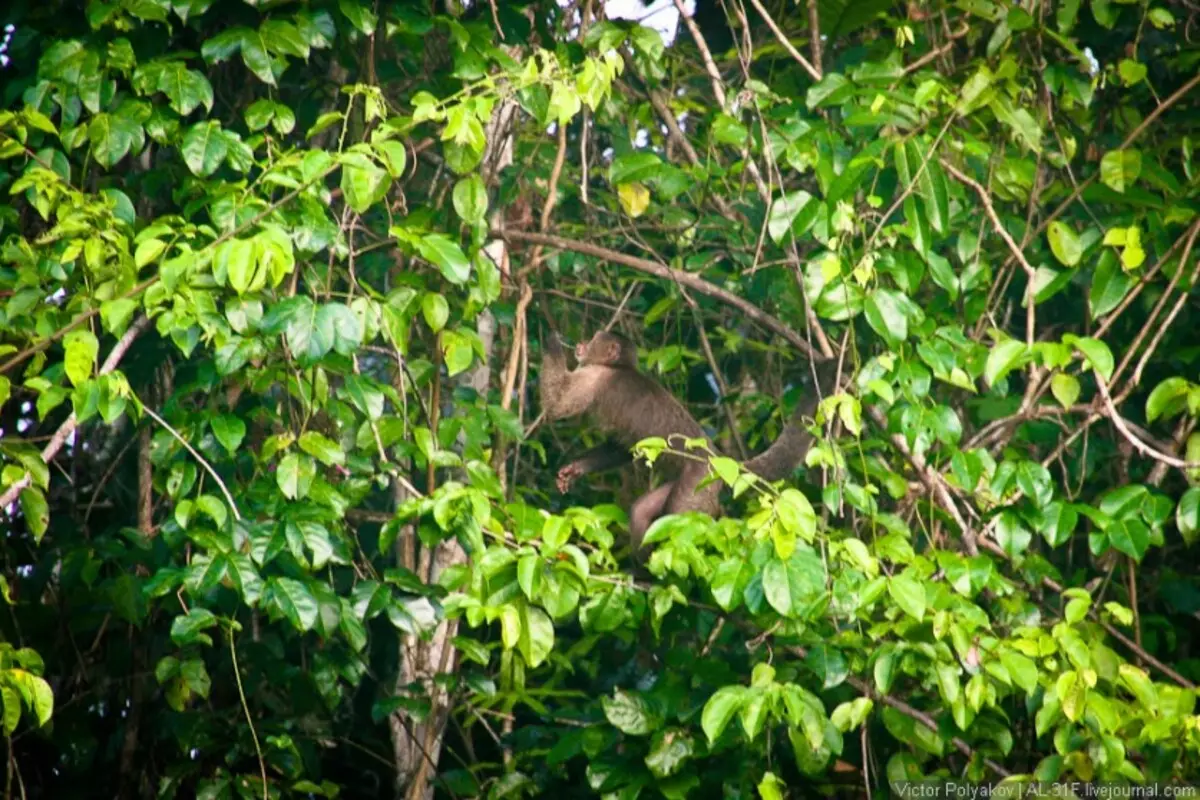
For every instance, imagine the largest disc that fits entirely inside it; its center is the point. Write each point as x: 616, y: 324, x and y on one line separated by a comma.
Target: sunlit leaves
x: 295, y: 474
x: 79, y: 360
x: 1064, y: 243
x: 1119, y: 169
x: 204, y: 147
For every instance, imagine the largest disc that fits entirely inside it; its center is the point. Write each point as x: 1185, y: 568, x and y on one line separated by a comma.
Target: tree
x: 281, y: 522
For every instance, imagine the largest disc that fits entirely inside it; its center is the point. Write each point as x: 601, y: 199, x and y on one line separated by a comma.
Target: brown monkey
x: 632, y: 406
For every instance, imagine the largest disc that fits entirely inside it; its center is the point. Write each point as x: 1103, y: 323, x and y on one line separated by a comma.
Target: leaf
x: 1110, y: 284
x: 1003, y: 358
x: 1187, y: 515
x: 342, y: 325
x: 204, y: 148
x: 1130, y: 536
x: 1096, y: 351
x: 1119, y: 169
x: 446, y: 255
x: 831, y: 90
x: 295, y: 601
x: 1011, y: 534
x: 634, y: 198
x: 784, y: 212
x: 1131, y: 72
x: 79, y: 361
x: 627, y: 712
x: 321, y: 448
x: 1065, y: 389
x: 1167, y: 399
x: 113, y: 136
x: 1021, y: 669
x: 364, y: 185
x: 719, y: 710
x: 885, y: 312
x: 470, y: 199
x: 294, y: 475
x: 36, y: 512
x: 1064, y: 243
x: 909, y: 594
x: 436, y: 311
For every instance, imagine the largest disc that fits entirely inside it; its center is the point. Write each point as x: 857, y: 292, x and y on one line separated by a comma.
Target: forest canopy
x: 281, y: 286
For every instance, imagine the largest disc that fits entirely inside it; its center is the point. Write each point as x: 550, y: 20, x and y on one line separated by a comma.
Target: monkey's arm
x: 563, y: 393
x: 603, y: 457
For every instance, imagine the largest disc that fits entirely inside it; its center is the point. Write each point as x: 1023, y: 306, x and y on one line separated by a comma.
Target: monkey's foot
x: 566, y: 475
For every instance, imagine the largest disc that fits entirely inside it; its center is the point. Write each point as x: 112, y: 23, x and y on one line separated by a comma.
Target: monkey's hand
x: 553, y: 345
x: 568, y: 474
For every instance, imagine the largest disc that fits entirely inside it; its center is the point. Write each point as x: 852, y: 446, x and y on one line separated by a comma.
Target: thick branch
x: 686, y: 279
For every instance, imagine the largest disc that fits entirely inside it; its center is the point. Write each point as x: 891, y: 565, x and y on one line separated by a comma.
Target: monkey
x: 631, y: 406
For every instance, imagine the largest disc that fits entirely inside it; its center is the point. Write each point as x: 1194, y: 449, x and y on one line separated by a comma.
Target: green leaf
x: 1065, y: 389
x: 446, y: 255
x: 295, y: 601
x: 1004, y: 357
x: 1021, y: 669
x: 364, y: 185
x: 113, y: 136
x: 284, y: 38
x: 1064, y: 243
x: 79, y: 361
x: 628, y: 713
x: 1110, y: 284
x: 909, y: 594
x: 1187, y: 515
x: 1119, y: 169
x: 1011, y: 534
x: 436, y: 311
x: 719, y: 710
x: 470, y: 199
x: 1130, y: 536
x: 204, y: 148
x: 1095, y: 351
x: 229, y: 431
x: 1131, y: 72
x: 321, y: 448
x: 294, y: 476
x: 885, y: 310
x: 393, y: 156
x: 36, y: 511
x: 1168, y: 398
x: 784, y: 212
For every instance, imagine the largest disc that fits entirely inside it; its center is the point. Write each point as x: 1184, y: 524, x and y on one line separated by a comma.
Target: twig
x: 812, y: 71
x: 203, y: 462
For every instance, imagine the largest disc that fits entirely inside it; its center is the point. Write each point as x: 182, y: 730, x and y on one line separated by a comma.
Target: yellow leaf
x: 634, y: 197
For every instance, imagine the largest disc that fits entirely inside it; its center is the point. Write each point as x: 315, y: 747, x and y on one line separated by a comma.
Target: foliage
x: 264, y: 393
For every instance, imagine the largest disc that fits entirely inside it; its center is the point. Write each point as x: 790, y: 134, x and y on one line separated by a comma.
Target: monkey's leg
x: 603, y: 457
x: 646, y: 509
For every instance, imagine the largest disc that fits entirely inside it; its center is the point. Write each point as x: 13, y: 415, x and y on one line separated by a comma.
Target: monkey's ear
x: 614, y: 352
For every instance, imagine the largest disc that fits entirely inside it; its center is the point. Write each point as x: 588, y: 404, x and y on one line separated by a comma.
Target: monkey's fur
x: 632, y: 406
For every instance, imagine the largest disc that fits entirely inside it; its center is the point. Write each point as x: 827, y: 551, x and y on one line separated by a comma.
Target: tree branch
x: 662, y: 271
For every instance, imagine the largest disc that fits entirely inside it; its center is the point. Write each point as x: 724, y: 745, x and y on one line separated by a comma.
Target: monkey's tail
x: 788, y: 451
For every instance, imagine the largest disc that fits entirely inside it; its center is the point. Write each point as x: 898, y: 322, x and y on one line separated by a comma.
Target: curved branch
x: 662, y: 271
x: 68, y: 427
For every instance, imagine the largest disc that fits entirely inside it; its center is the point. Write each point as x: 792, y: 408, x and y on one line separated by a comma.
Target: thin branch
x: 201, y: 459
x: 1135, y: 440
x: 812, y: 71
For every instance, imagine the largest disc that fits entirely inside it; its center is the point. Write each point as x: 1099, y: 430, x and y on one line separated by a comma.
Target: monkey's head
x: 609, y: 350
